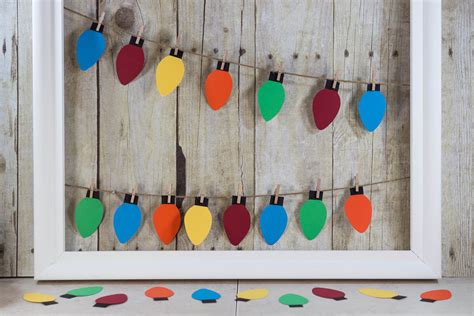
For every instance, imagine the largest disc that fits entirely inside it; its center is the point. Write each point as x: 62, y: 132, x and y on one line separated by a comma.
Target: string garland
x: 295, y: 74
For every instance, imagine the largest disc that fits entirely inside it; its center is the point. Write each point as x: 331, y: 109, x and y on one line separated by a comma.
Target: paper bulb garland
x: 313, y: 215
x: 326, y: 104
x: 435, y: 295
x: 44, y: 299
x: 159, y: 293
x: 114, y: 299
x: 293, y: 300
x: 170, y: 72
x: 329, y: 293
x: 377, y: 293
x: 372, y: 107
x: 127, y: 219
x: 273, y: 220
x: 198, y: 221
x: 252, y: 295
x: 206, y: 296
x: 236, y: 220
x: 83, y: 291
x: 358, y: 209
x: 218, y: 87
x: 167, y: 219
x: 89, y: 214
x: 130, y: 61
x: 90, y: 46
x: 271, y: 96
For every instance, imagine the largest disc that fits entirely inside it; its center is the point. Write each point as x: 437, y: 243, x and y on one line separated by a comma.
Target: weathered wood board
x: 120, y: 136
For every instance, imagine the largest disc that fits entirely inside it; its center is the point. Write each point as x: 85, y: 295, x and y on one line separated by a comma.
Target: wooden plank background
x: 125, y: 136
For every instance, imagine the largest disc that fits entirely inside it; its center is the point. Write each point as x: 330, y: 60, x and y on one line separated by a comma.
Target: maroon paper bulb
x: 326, y: 104
x: 108, y: 300
x: 130, y: 60
x: 236, y: 220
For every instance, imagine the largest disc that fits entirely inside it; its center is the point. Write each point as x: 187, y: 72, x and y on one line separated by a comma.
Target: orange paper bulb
x: 167, y: 220
x: 358, y: 209
x: 218, y: 86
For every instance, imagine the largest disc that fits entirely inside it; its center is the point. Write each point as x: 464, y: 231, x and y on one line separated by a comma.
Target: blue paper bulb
x: 372, y: 107
x: 90, y: 47
x: 127, y: 221
x: 205, y: 295
x: 273, y: 223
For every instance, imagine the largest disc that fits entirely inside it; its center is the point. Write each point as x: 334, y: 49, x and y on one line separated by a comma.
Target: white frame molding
x: 52, y: 262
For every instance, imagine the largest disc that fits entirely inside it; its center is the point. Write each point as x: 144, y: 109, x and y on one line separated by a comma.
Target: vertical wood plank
x: 137, y: 125
x: 25, y: 143
x: 289, y: 150
x: 457, y: 143
x: 80, y: 123
x: 8, y: 139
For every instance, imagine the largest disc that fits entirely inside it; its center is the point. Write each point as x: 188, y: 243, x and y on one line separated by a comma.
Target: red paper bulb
x: 130, y: 61
x: 326, y: 104
x: 218, y: 86
x: 236, y: 221
x: 358, y: 209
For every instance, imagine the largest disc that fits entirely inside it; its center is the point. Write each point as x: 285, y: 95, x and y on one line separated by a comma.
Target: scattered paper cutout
x: 44, y: 299
x: 127, y: 219
x: 90, y: 47
x: 372, y: 106
x: 358, y: 209
x: 293, y: 300
x: 159, y: 293
x: 326, y: 104
x: 252, y: 295
x: 273, y: 221
x: 167, y: 220
x: 170, y: 72
x: 89, y: 214
x: 114, y: 299
x: 329, y: 293
x: 271, y: 96
x: 130, y: 61
x: 83, y: 291
x: 206, y: 296
x: 435, y: 295
x: 377, y: 293
x: 313, y: 215
x: 236, y: 221
x: 198, y: 222
x: 218, y: 87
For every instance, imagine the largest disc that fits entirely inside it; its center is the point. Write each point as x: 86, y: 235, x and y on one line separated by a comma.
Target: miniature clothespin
x: 277, y: 191
x: 356, y: 181
x: 101, y: 19
x: 139, y: 35
x: 239, y: 193
x: 169, y: 194
x: 132, y: 199
x: 91, y: 189
x: 318, y: 188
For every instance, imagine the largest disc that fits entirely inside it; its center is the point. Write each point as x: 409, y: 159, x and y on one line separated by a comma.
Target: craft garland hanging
x: 167, y: 219
x: 130, y: 59
x: 218, y: 87
x: 237, y: 219
x: 273, y: 219
x: 313, y: 214
x: 271, y: 96
x: 358, y: 208
x: 91, y: 45
x: 198, y: 221
x: 326, y: 104
x: 170, y: 72
x: 89, y: 213
x: 127, y: 218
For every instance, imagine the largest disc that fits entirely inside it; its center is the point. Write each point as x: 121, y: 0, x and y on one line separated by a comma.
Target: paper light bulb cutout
x: 159, y: 293
x: 313, y: 215
x: 83, y: 291
x: 114, y: 299
x: 435, y: 295
x: 90, y: 46
x: 293, y: 300
x: 198, y: 221
x: 273, y: 220
x: 130, y: 61
x: 326, y: 104
x: 170, y: 72
x: 89, y: 214
x: 127, y: 219
x: 358, y: 209
x: 251, y: 295
x: 372, y: 106
x: 377, y: 293
x: 44, y: 299
x: 218, y: 87
x: 271, y: 96
x: 329, y: 293
x: 236, y: 220
x: 167, y: 219
x: 206, y: 296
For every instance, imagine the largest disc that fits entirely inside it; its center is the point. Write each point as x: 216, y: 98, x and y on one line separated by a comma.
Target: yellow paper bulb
x: 169, y: 73
x: 197, y: 222
x: 38, y: 297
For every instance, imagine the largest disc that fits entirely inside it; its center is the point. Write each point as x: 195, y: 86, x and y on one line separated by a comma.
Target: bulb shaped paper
x: 108, y: 300
x: 273, y: 223
x: 378, y: 293
x: 312, y: 218
x: 204, y: 295
x: 127, y: 221
x: 197, y: 222
x: 271, y: 97
x: 88, y: 216
x: 85, y: 291
x: 90, y: 48
x: 169, y: 73
x: 167, y: 221
x: 372, y: 107
x: 218, y: 88
x: 329, y: 293
x: 129, y: 63
x: 159, y: 293
x: 326, y: 104
x: 252, y: 294
x: 293, y: 300
x: 358, y: 210
x: 435, y: 295
x: 38, y: 297
x: 236, y: 223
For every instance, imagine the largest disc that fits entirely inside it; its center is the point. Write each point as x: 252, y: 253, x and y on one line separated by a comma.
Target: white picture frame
x: 52, y: 262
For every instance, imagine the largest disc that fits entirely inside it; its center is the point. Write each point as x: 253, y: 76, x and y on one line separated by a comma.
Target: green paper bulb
x: 313, y: 216
x: 89, y: 214
x: 271, y: 96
